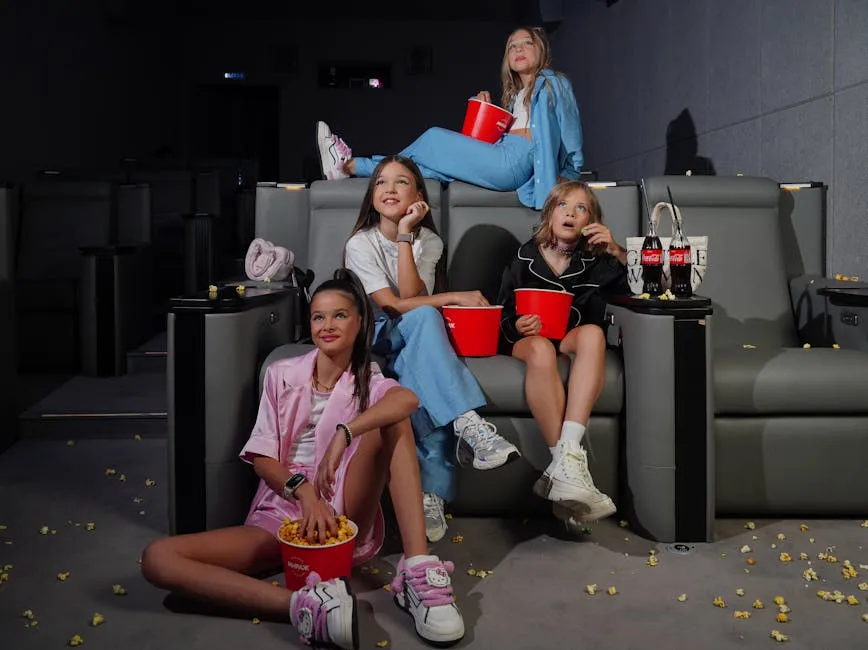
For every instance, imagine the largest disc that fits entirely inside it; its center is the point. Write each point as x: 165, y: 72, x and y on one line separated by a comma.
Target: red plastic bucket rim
x: 479, y: 307
x: 544, y: 290
x: 311, y: 547
x: 500, y: 108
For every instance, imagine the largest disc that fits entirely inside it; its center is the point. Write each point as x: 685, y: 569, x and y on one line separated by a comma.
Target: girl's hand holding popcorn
x: 528, y: 325
x: 599, y: 235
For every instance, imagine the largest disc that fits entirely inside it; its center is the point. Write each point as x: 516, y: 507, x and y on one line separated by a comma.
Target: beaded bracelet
x: 347, y: 432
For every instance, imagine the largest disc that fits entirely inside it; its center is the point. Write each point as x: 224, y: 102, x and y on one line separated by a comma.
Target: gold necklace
x: 315, y: 382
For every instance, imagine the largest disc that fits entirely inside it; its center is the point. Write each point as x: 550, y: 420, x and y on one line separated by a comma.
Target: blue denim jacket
x: 556, y: 130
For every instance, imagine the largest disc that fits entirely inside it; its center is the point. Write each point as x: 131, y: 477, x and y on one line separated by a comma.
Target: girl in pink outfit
x: 331, y: 432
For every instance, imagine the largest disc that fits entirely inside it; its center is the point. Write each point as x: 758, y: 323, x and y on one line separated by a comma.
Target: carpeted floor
x: 535, y: 597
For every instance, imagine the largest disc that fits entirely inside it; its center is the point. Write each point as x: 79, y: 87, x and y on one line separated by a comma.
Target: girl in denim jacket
x: 544, y: 143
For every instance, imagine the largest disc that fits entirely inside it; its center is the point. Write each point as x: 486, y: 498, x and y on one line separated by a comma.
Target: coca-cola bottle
x: 652, y: 263
x: 680, y: 267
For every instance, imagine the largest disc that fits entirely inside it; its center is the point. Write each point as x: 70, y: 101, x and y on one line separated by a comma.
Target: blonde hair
x: 510, y: 79
x: 543, y: 235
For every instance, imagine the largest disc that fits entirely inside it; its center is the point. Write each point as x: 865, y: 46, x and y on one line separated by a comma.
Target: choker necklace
x: 561, y: 249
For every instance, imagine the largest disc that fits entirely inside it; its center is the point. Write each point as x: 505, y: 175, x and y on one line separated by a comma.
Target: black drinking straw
x: 672, y: 204
x: 647, y: 207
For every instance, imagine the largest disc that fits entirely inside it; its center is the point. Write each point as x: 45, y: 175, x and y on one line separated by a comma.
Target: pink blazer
x: 284, y: 411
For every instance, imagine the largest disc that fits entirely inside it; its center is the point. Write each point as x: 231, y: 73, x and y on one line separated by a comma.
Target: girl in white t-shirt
x: 394, y: 248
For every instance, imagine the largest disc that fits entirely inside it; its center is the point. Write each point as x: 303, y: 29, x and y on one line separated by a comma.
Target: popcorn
x: 748, y: 346
x: 739, y: 592
x: 751, y: 561
x: 63, y: 575
x: 118, y: 590
x: 864, y: 524
x: 774, y: 545
x: 745, y: 549
x: 849, y: 572
x: 256, y: 621
x: 781, y: 536
x: 28, y: 614
x: 852, y: 600
x: 110, y: 471
x: 865, y: 618
x: 741, y: 614
x: 623, y: 523
x: 785, y: 557
x: 806, y: 346
x: 471, y: 572
x: 784, y: 609
x: 779, y: 600
x: 75, y: 641
x: 803, y: 527
x: 138, y: 499
x: 449, y: 517
x: 612, y: 591
x: 652, y: 561
x: 97, y: 619
x: 382, y: 644
x: 4, y: 577
x: 863, y: 586
x: 811, y: 539
x: 591, y: 589
x: 275, y: 583
x: 782, y: 618
x: 89, y: 526
x: 70, y: 443
x: 457, y: 539
x: 387, y: 587
x: 777, y: 636
x: 758, y: 604
x: 835, y: 346
x: 292, y: 532
x: 809, y: 574
x: 803, y: 556
x: 240, y: 289
x: 644, y: 296
x: 122, y: 478
x: 750, y: 525
x: 682, y: 598
x: 718, y: 602
x: 137, y: 437
x: 149, y: 482
x: 43, y: 530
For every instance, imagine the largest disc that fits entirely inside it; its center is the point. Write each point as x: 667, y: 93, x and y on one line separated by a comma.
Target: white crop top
x: 303, y: 450
x: 519, y: 111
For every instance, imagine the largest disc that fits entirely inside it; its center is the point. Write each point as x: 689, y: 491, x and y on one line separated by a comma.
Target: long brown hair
x: 510, y: 79
x: 543, y: 234
x: 348, y: 283
x: 370, y: 218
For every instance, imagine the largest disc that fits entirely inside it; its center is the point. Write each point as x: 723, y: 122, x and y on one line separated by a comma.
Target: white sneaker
x: 435, y: 518
x: 425, y: 592
x: 478, y: 439
x: 568, y: 482
x: 333, y: 153
x: 325, y: 612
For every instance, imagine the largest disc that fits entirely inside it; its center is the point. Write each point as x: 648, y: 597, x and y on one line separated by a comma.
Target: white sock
x: 572, y: 434
x: 418, y: 559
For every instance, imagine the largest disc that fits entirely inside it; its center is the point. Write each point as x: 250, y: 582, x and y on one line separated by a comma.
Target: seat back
x: 803, y: 228
x: 334, y: 209
x: 8, y: 230
x: 57, y: 219
x: 282, y: 216
x: 746, y: 277
x: 134, y: 214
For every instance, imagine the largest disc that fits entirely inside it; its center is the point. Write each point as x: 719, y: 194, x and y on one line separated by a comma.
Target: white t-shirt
x: 303, y: 450
x: 519, y: 111
x: 374, y: 258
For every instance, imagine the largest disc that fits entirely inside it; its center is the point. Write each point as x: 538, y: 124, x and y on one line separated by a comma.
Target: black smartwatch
x: 292, y: 484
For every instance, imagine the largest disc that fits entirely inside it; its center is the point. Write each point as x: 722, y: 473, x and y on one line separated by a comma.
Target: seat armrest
x: 822, y: 320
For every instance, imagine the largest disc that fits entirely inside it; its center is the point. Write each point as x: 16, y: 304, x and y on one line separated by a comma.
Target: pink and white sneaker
x: 325, y: 613
x: 423, y: 589
x: 333, y: 153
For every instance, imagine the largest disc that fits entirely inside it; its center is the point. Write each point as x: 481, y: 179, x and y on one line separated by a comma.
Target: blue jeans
x: 418, y: 353
x: 447, y: 156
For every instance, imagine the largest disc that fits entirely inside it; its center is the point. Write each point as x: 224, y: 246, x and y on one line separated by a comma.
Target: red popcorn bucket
x: 553, y: 308
x: 329, y: 561
x: 485, y: 121
x: 473, y: 331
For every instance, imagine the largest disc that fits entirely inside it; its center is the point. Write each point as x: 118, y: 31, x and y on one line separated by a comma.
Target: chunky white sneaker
x: 435, y: 518
x: 325, y: 613
x: 478, y: 439
x: 425, y: 592
x: 568, y: 482
x: 333, y: 153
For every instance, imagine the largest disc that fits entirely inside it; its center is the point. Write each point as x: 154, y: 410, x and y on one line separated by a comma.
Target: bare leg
x: 542, y: 385
x: 390, y: 452
x: 588, y: 371
x: 214, y: 566
x: 350, y: 167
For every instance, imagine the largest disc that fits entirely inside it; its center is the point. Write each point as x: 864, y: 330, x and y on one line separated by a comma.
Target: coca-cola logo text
x: 679, y: 256
x: 652, y: 257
